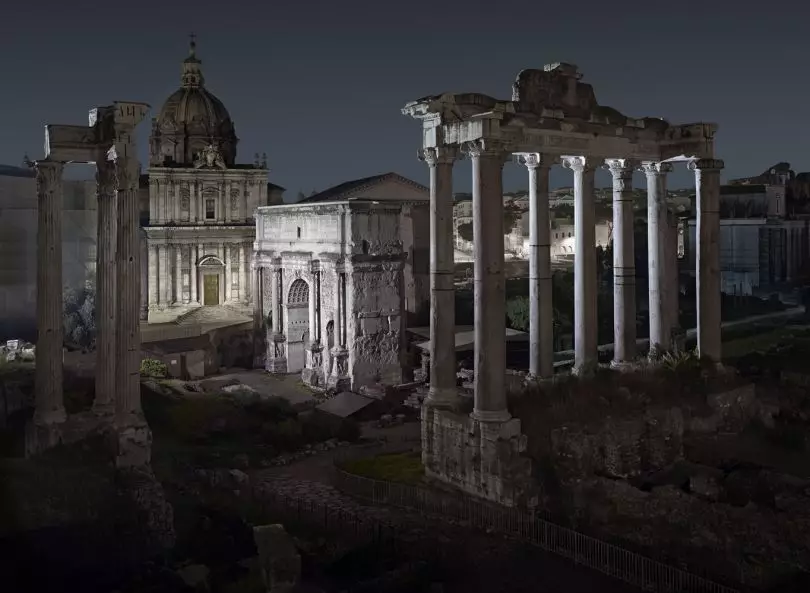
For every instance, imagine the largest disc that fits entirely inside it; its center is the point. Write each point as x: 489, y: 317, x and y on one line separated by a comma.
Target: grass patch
x: 404, y: 468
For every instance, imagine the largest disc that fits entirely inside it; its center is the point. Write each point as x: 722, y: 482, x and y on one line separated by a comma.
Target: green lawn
x: 396, y: 467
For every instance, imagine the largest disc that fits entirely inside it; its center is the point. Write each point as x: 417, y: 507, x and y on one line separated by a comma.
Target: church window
x: 210, y: 210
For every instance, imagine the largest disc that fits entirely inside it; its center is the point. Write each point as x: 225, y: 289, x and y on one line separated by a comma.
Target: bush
x: 154, y: 368
x: 517, y: 313
x: 79, y: 317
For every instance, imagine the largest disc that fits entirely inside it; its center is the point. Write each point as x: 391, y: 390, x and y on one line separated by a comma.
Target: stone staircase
x: 218, y: 314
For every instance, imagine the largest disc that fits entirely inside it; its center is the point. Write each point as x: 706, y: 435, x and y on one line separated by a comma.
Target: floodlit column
x: 672, y: 285
x: 657, y: 230
x: 228, y: 272
x: 178, y: 274
x: 192, y: 279
x: 242, y: 274
x: 489, y: 288
x: 442, y: 391
x: 585, y: 327
x: 707, y: 262
x: 541, y: 312
x: 144, y: 259
x: 624, y: 266
x: 163, y: 275
x: 258, y: 313
x: 50, y: 407
x: 277, y: 292
x: 153, y: 275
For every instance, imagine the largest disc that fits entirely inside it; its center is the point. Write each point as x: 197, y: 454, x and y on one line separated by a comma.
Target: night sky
x: 318, y: 85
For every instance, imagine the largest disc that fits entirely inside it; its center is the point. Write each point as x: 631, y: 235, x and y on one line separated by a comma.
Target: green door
x: 211, y: 289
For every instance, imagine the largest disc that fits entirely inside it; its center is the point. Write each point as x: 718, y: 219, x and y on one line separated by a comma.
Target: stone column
x: 144, y: 257
x: 221, y: 256
x: 276, y: 358
x: 442, y: 390
x: 260, y: 333
x: 50, y: 407
x: 193, y: 203
x: 585, y: 322
x: 338, y: 380
x: 106, y: 296
x: 163, y: 275
x: 660, y: 333
x: 624, y: 265
x: 541, y: 312
x: 707, y: 262
x: 489, y: 288
x: 192, y: 278
x: 242, y: 274
x: 228, y: 272
x: 672, y: 287
x: 153, y: 275
x: 178, y: 274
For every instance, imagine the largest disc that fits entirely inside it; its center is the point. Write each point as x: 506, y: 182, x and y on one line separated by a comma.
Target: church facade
x: 201, y: 202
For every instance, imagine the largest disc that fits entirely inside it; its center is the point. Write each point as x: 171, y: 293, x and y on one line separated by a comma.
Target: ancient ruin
x: 108, y: 142
x: 552, y: 118
x: 340, y: 276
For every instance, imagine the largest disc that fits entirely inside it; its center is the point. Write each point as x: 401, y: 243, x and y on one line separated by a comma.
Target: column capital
x: 48, y: 173
x: 576, y: 163
x: 620, y: 167
x: 439, y: 155
x: 654, y: 169
x: 533, y: 160
x: 706, y: 165
x: 105, y: 177
x: 485, y: 147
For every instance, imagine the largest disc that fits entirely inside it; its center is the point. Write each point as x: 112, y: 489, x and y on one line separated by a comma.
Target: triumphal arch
x: 552, y: 118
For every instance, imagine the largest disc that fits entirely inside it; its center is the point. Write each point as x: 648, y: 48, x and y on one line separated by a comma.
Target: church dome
x: 191, y: 119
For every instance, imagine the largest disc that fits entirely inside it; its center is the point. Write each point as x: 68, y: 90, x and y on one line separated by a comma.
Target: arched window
x: 299, y: 293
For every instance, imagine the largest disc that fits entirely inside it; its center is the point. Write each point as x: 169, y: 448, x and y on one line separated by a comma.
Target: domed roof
x: 190, y: 119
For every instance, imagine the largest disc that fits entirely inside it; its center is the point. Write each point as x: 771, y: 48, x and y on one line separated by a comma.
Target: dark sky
x: 318, y: 85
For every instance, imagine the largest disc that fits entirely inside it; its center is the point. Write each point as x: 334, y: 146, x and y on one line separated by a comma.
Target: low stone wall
x: 482, y: 458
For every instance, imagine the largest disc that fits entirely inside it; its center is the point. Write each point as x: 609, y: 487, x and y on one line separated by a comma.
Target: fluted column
x: 106, y: 294
x: 192, y: 279
x: 50, y: 407
x: 242, y: 274
x: 489, y: 288
x: 585, y: 322
x: 163, y: 275
x: 624, y: 265
x: 541, y: 311
x: 153, y: 275
x: 178, y: 274
x: 228, y: 272
x: 442, y: 390
x: 144, y: 258
x: 660, y: 332
x: 672, y: 286
x: 128, y: 280
x: 707, y: 184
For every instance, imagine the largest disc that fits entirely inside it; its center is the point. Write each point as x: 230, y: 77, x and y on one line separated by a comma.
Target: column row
x: 226, y: 202
x: 487, y: 159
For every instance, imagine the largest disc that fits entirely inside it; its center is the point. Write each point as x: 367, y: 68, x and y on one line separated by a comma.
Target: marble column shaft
x: 128, y: 280
x: 442, y: 389
x: 178, y: 274
x: 228, y: 271
x: 672, y: 288
x: 106, y: 294
x: 192, y: 280
x: 163, y: 275
x: 153, y: 274
x: 489, y: 285
x: 144, y: 259
x: 541, y: 311
x: 48, y: 378
x: 660, y: 331
x: 338, y: 328
x: 585, y: 321
x: 707, y: 183
x: 624, y: 265
x: 243, y: 291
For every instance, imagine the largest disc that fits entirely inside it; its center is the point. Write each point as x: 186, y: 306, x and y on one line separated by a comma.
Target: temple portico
x: 554, y: 119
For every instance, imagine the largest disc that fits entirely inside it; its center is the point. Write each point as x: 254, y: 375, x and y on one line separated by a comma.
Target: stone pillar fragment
x: 48, y: 385
x: 489, y: 288
x: 106, y: 294
x: 541, y: 311
x: 442, y: 391
x: 660, y: 331
x: 585, y: 322
x: 707, y: 262
x: 624, y: 266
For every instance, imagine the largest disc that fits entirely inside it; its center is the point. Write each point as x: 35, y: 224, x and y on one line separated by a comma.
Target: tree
x: 517, y: 313
x: 79, y: 317
x: 465, y: 231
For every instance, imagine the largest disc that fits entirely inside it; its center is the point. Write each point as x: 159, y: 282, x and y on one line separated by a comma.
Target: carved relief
x: 279, y: 349
x: 185, y: 197
x: 209, y: 158
x: 49, y: 176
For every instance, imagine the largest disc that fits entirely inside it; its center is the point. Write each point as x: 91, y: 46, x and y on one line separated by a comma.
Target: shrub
x: 79, y: 317
x: 154, y: 368
x: 517, y: 312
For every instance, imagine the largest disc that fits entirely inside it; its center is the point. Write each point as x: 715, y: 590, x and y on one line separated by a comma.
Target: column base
x: 491, y: 416
x: 584, y: 370
x: 313, y: 375
x: 56, y: 415
x: 339, y: 380
x: 276, y: 360
x: 623, y: 366
x: 442, y: 398
x: 276, y: 365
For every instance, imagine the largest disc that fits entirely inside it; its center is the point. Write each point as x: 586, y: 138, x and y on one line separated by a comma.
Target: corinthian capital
x: 654, y: 169
x: 438, y: 155
x: 706, y: 165
x: 484, y: 147
x: 576, y: 163
x: 49, y: 175
x: 106, y: 181
x: 532, y: 160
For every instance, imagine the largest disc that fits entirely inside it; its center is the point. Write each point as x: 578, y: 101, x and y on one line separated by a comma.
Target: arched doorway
x: 297, y: 329
x: 210, y: 270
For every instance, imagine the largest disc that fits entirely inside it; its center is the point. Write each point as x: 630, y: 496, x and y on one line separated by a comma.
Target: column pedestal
x: 313, y: 375
x: 339, y: 378
x: 276, y: 354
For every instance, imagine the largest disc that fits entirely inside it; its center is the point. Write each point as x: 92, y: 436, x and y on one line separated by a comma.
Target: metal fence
x: 630, y: 567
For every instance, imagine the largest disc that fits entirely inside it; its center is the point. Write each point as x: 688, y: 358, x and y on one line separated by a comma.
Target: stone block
x: 279, y: 559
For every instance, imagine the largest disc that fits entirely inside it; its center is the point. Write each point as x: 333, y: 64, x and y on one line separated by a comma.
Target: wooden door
x: 211, y: 289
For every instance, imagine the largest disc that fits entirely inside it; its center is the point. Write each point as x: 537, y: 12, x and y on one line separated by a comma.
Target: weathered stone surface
x: 280, y: 560
x: 146, y: 517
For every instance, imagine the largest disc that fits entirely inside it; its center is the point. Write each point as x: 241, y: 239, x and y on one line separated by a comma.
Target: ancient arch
x: 297, y: 320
